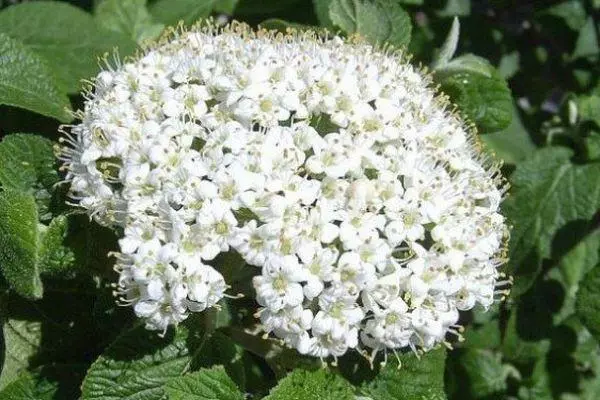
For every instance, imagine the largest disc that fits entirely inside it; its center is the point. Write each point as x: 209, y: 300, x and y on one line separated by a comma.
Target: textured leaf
x: 27, y: 163
x: 170, y: 12
x: 321, y: 8
x: 53, y: 257
x: 140, y: 362
x: 379, y: 21
x: 22, y: 340
x: 46, y: 383
x: 484, y: 373
x: 315, y: 385
x: 481, y: 94
x: 67, y: 37
x: 549, y: 192
x: 206, y: 384
x: 588, y: 301
x: 18, y: 243
x: 128, y: 17
x: 414, y: 380
x: 27, y: 82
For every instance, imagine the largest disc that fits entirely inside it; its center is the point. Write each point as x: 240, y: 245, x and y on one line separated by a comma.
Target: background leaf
x: 128, y: 17
x: 379, y: 21
x: 549, y: 192
x: 18, y: 243
x: 588, y: 301
x: 170, y: 12
x: 68, y: 38
x: 26, y: 80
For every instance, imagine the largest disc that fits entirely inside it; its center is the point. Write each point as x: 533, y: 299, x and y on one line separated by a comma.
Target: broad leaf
x: 53, y: 256
x: 67, y: 37
x: 548, y: 193
x: 206, y: 384
x: 379, y: 21
x: 170, y: 12
x: 46, y: 383
x: 580, y: 260
x: 27, y: 163
x: 588, y: 301
x: 416, y: 379
x: 27, y: 82
x: 321, y: 384
x: 18, y: 243
x: 22, y: 340
x: 128, y: 17
x: 140, y: 362
x: 481, y: 94
x: 481, y: 373
x: 321, y: 8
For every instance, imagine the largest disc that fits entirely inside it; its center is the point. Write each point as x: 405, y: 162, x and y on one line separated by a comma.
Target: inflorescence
x: 331, y: 166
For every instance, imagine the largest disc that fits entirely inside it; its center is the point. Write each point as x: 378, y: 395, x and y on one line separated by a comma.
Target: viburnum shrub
x: 331, y: 166
x: 299, y: 199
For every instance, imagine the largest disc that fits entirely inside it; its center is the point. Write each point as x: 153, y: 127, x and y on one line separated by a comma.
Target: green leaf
x: 509, y: 64
x: 456, y: 8
x: 46, y: 383
x: 206, y: 384
x: 27, y: 82
x: 588, y: 301
x: 519, y: 349
x: 580, y: 260
x: 548, y: 192
x: 512, y: 144
x: 449, y: 47
x: 587, y: 41
x: 415, y: 379
x: 53, y: 257
x: 485, y: 101
x: 140, y: 362
x: 321, y: 384
x: 283, y: 26
x: 22, y: 340
x: 379, y: 21
x: 480, y: 92
x: 18, y: 243
x: 225, y: 6
x: 588, y: 108
x: 27, y: 163
x: 467, y: 63
x: 484, y: 374
x: 67, y: 37
x: 572, y: 12
x: 170, y: 12
x: 128, y: 17
x: 321, y: 8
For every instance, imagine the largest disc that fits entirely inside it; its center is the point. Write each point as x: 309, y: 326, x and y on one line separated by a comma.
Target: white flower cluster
x: 329, y: 165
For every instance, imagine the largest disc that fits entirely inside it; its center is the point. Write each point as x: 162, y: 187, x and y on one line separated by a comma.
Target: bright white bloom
x: 330, y: 166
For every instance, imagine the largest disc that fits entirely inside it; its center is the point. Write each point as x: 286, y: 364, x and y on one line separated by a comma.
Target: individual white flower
x: 331, y: 165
